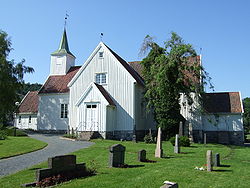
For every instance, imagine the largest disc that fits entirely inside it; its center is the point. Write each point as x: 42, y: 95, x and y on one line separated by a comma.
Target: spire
x: 63, y: 47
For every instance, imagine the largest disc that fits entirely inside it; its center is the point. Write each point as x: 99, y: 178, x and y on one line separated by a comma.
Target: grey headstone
x: 60, y: 165
x: 181, y: 131
x: 176, y: 146
x: 61, y: 161
x: 205, y: 138
x: 116, y: 155
x: 190, y: 128
x: 209, y: 161
x: 142, y: 155
x: 217, y: 159
x: 158, y: 149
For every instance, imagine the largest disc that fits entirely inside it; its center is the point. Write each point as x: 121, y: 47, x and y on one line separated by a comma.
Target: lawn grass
x: 175, y: 167
x: 13, y: 146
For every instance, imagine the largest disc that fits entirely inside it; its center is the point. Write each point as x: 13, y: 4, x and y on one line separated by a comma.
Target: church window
x: 64, y: 110
x: 19, y: 120
x: 29, y: 119
x: 101, y: 78
x: 100, y: 54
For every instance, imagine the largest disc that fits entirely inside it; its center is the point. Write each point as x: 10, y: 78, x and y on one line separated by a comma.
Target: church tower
x: 62, y: 59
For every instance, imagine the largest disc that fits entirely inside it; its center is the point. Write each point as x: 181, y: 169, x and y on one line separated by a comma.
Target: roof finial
x: 101, y: 36
x: 65, y: 19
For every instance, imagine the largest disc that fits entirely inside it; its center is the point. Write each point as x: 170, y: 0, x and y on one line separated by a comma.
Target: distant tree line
x: 26, y: 87
x: 246, y: 115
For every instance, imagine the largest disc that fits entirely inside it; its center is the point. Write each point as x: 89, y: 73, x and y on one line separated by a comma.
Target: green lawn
x: 175, y: 167
x: 13, y: 146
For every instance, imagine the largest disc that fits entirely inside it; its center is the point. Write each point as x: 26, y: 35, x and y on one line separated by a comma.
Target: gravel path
x: 56, y: 146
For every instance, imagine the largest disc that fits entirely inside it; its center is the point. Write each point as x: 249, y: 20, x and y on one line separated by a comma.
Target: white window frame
x: 30, y: 119
x: 106, y: 78
x: 64, y: 110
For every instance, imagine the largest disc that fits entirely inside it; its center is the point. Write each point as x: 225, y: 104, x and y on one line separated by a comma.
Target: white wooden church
x: 105, y: 96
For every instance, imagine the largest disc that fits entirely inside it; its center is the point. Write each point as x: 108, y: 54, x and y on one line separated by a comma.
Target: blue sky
x: 221, y: 28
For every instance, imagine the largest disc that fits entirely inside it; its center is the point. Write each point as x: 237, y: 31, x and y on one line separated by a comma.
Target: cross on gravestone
x: 142, y: 155
x: 217, y: 159
x: 116, y: 155
x: 61, y: 165
x: 209, y: 161
x: 176, y: 146
x: 158, y: 150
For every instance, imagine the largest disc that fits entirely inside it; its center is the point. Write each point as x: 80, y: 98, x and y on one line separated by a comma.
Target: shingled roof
x: 226, y: 102
x: 29, y: 103
x: 136, y: 65
x: 58, y: 84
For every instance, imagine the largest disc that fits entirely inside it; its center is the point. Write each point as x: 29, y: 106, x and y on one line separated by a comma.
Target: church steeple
x: 63, y: 47
x: 62, y: 59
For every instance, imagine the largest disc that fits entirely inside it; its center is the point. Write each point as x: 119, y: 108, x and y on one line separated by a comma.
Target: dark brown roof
x: 227, y: 102
x: 58, y: 84
x: 105, y: 94
x: 30, y: 103
x: 133, y: 72
x: 136, y: 65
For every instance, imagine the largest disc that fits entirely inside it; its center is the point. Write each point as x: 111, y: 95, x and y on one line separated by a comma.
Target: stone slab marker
x: 176, y: 146
x: 181, y: 131
x: 217, y: 159
x: 142, y: 155
x: 205, y: 138
x: 60, y: 165
x: 190, y: 129
x: 209, y: 161
x: 158, y: 150
x: 116, y: 155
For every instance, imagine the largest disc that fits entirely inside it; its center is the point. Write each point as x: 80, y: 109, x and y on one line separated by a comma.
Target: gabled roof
x: 58, y: 83
x: 98, y: 88
x: 29, y: 103
x: 63, y: 47
x: 226, y: 102
x: 105, y: 94
x: 126, y: 65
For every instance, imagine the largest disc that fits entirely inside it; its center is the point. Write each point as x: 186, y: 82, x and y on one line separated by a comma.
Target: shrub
x: 10, y: 131
x: 183, y: 141
x: 148, y: 139
x: 3, y: 135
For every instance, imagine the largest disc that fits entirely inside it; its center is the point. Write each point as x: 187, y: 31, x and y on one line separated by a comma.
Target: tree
x: 169, y: 71
x: 11, y: 79
x: 246, y: 115
x: 26, y: 87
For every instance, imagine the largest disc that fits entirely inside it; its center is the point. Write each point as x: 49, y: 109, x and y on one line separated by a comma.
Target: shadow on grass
x: 35, y: 168
x: 130, y: 166
x: 192, y: 147
x: 224, y: 165
x: 222, y: 170
x: 186, y: 152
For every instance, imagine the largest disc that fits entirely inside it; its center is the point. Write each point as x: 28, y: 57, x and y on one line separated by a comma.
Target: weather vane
x: 65, y: 19
x: 101, y: 36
